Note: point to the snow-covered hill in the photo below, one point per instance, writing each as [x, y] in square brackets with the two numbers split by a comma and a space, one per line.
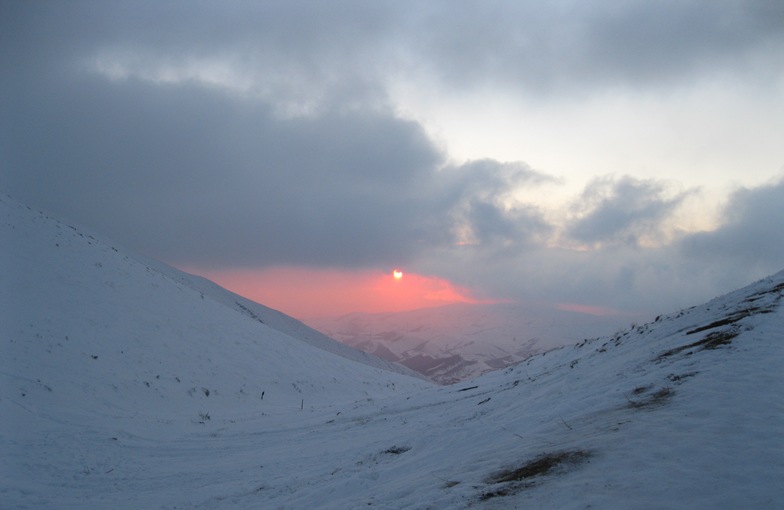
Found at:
[123, 388]
[464, 340]
[86, 326]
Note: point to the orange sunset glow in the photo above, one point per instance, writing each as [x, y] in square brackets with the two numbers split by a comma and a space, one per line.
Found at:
[309, 293]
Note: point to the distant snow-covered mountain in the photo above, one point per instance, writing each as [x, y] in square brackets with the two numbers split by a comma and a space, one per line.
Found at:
[126, 385]
[456, 342]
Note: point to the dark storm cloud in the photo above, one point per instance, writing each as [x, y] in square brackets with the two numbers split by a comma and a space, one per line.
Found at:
[193, 177]
[621, 210]
[196, 177]
[193, 173]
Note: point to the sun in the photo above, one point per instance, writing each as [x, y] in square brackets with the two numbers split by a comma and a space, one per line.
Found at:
[397, 274]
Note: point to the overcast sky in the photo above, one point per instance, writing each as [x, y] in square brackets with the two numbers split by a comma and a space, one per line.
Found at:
[621, 154]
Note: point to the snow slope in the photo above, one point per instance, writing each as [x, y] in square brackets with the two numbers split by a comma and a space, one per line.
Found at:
[98, 364]
[464, 340]
[272, 318]
[88, 330]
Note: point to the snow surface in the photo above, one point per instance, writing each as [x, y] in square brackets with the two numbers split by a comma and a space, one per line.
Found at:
[126, 387]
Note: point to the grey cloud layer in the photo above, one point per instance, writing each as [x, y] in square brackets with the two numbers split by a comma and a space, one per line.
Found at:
[295, 154]
[748, 244]
[195, 178]
[528, 45]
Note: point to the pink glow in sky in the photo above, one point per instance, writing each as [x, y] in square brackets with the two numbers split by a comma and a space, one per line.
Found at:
[310, 293]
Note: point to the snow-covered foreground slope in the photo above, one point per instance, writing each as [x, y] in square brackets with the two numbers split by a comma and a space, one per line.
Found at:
[75, 305]
[684, 412]
[92, 334]
[464, 340]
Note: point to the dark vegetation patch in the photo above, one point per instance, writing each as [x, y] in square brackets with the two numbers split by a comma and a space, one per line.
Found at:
[731, 319]
[774, 292]
[712, 340]
[778, 289]
[247, 311]
[541, 465]
[656, 398]
[748, 311]
[397, 450]
[677, 378]
[718, 338]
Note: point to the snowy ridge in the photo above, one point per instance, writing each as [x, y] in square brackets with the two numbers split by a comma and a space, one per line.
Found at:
[683, 412]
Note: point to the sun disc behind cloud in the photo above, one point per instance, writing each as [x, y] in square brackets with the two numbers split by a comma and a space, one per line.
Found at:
[397, 274]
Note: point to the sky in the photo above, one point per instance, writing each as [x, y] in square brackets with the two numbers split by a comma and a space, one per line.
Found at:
[609, 155]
